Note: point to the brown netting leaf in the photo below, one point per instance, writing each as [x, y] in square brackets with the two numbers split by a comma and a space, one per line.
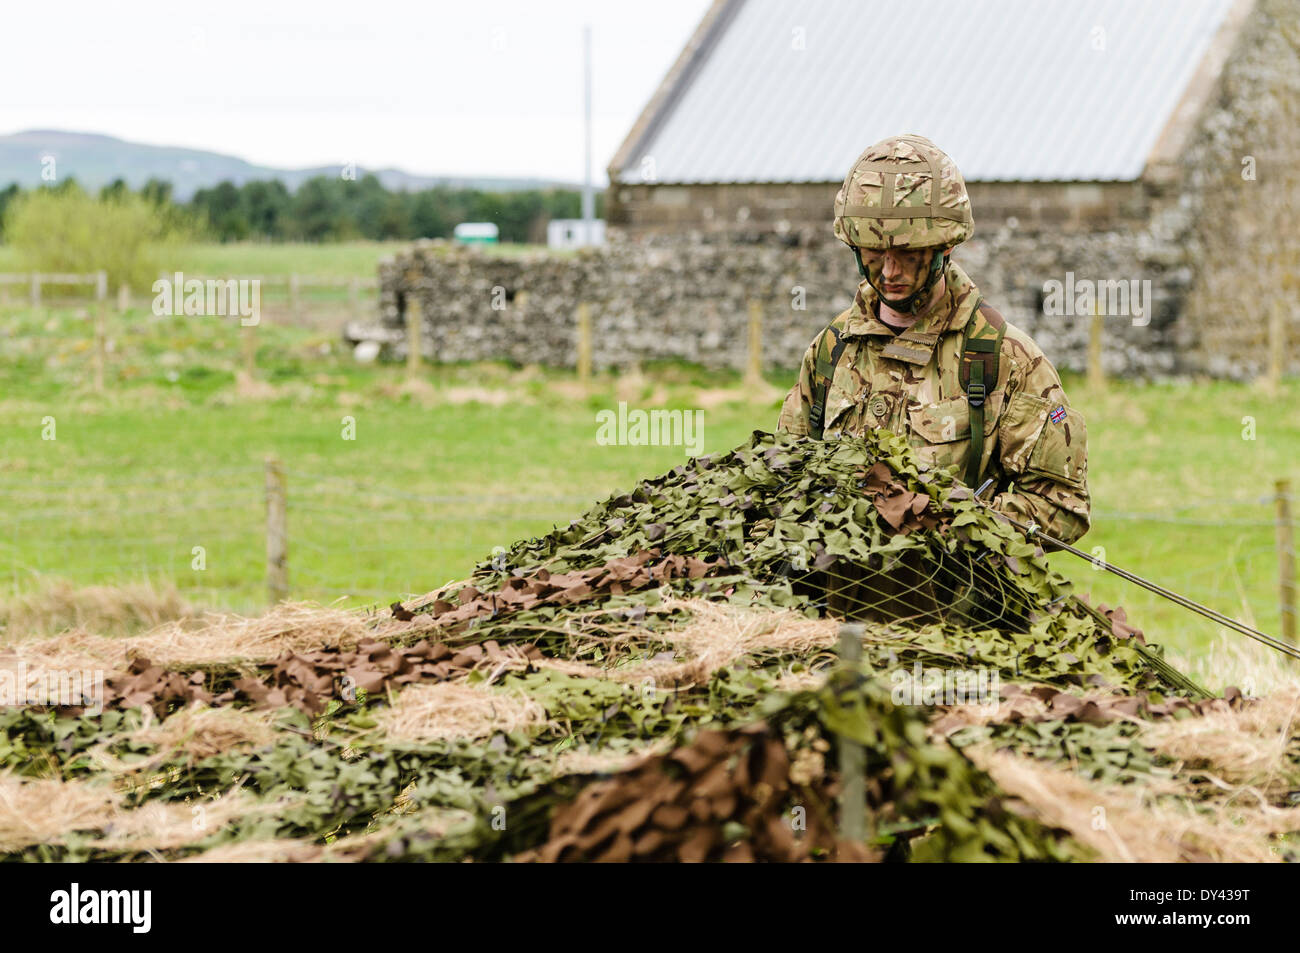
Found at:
[726, 796]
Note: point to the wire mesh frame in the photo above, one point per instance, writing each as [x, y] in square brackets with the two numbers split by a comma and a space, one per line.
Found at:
[917, 587]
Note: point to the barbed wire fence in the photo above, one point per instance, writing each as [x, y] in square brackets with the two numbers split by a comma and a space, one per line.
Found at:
[218, 538]
[206, 534]
[298, 298]
[1255, 573]
[209, 535]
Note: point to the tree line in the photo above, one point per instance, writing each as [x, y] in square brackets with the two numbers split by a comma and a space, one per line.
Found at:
[331, 208]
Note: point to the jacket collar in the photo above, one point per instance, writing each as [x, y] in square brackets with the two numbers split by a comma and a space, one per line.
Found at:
[950, 312]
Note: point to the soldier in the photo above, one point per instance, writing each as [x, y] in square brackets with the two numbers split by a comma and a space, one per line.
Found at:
[919, 353]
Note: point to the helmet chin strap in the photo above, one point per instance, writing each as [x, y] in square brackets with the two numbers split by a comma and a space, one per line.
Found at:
[919, 298]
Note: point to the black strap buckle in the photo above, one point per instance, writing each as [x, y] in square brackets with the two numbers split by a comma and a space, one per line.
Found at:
[975, 394]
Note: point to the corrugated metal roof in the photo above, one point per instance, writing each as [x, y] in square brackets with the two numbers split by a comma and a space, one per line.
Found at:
[1013, 90]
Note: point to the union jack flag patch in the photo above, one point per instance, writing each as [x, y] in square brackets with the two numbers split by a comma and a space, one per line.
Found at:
[1058, 415]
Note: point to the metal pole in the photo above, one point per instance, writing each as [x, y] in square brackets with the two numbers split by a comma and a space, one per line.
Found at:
[588, 194]
[1033, 531]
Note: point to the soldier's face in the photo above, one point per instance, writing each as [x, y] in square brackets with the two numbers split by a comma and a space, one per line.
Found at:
[899, 272]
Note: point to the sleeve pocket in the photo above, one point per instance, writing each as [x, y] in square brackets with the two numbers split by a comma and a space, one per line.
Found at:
[1061, 450]
[1019, 430]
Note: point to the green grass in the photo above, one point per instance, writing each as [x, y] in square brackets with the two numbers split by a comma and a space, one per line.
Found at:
[343, 259]
[338, 259]
[171, 458]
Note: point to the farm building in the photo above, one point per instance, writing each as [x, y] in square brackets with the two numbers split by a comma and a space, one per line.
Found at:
[1108, 139]
[574, 232]
[1132, 159]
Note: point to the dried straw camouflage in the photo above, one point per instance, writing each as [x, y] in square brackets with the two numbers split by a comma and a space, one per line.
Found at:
[903, 192]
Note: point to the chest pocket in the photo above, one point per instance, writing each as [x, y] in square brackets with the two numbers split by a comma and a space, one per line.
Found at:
[844, 398]
[941, 431]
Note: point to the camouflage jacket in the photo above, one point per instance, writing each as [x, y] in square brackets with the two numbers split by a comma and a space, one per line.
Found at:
[1035, 443]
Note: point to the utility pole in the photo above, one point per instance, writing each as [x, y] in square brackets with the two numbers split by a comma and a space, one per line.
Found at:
[588, 195]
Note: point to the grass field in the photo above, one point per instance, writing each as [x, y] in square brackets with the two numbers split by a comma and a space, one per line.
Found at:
[161, 478]
[343, 259]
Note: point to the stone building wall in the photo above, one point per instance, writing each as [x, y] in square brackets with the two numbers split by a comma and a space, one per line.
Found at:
[647, 302]
[730, 209]
[1239, 184]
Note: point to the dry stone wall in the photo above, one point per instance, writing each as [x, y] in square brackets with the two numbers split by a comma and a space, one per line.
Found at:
[647, 302]
[688, 299]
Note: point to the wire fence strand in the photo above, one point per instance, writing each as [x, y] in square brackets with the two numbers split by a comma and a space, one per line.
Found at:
[354, 537]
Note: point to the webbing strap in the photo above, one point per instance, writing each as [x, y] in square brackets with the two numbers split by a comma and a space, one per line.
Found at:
[823, 374]
[976, 425]
[858, 210]
[979, 375]
[928, 166]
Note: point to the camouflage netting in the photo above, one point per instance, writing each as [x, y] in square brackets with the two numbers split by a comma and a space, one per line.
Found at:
[658, 681]
[859, 529]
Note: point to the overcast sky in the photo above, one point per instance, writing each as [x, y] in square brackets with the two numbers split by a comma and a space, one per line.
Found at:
[484, 87]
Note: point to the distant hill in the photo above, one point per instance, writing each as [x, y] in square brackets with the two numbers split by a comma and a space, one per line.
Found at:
[96, 160]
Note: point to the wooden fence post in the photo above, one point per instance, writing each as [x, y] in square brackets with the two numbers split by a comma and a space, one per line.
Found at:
[293, 295]
[36, 289]
[1286, 561]
[584, 342]
[754, 366]
[277, 533]
[248, 345]
[123, 298]
[1096, 374]
[1276, 346]
[413, 337]
[101, 320]
[853, 757]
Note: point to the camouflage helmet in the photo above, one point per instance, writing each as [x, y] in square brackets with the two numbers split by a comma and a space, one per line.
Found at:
[903, 192]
